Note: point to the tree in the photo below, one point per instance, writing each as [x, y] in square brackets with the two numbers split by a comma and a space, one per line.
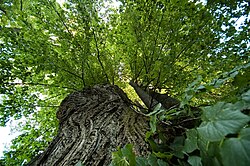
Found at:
[191, 51]
[93, 123]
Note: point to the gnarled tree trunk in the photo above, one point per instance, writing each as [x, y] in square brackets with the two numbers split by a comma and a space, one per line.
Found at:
[93, 123]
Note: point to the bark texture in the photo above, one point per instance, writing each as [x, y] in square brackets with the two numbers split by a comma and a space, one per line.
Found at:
[93, 122]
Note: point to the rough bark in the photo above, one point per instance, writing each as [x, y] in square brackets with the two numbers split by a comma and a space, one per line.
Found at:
[93, 123]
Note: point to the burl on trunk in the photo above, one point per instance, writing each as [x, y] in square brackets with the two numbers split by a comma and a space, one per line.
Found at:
[93, 123]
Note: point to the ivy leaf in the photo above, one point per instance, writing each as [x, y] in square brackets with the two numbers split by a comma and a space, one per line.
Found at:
[161, 163]
[201, 88]
[177, 146]
[141, 161]
[194, 160]
[156, 109]
[242, 79]
[153, 123]
[127, 151]
[246, 97]
[165, 155]
[220, 120]
[79, 163]
[124, 156]
[191, 141]
[152, 160]
[117, 158]
[191, 90]
[236, 151]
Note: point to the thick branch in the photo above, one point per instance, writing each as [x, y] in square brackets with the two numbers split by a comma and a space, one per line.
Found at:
[146, 98]
[152, 98]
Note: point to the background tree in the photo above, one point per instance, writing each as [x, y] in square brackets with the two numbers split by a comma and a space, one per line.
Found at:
[49, 50]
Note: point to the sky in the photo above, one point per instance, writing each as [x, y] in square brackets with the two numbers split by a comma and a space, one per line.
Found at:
[5, 131]
[5, 135]
[5, 138]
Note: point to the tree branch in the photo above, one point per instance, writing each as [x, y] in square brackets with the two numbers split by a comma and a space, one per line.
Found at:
[146, 98]
[60, 18]
[77, 76]
[21, 5]
[64, 24]
[156, 38]
[98, 57]
[189, 45]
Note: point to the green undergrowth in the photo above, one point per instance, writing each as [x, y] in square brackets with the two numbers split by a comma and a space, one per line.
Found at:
[222, 136]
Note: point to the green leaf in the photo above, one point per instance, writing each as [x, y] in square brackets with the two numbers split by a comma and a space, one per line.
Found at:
[118, 159]
[197, 81]
[79, 163]
[201, 88]
[152, 160]
[127, 151]
[177, 146]
[236, 151]
[161, 163]
[165, 155]
[191, 141]
[156, 109]
[149, 134]
[246, 97]
[233, 74]
[220, 120]
[194, 160]
[141, 161]
[153, 123]
[124, 156]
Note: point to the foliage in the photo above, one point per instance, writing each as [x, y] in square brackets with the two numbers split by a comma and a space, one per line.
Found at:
[37, 132]
[48, 50]
[238, 77]
[126, 157]
[220, 139]
[223, 134]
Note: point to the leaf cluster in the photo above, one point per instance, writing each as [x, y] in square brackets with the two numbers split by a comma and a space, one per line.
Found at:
[221, 137]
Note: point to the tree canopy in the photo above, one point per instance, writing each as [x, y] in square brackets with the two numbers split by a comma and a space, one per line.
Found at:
[197, 52]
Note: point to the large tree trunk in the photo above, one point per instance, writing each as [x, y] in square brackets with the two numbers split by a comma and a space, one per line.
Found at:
[93, 123]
